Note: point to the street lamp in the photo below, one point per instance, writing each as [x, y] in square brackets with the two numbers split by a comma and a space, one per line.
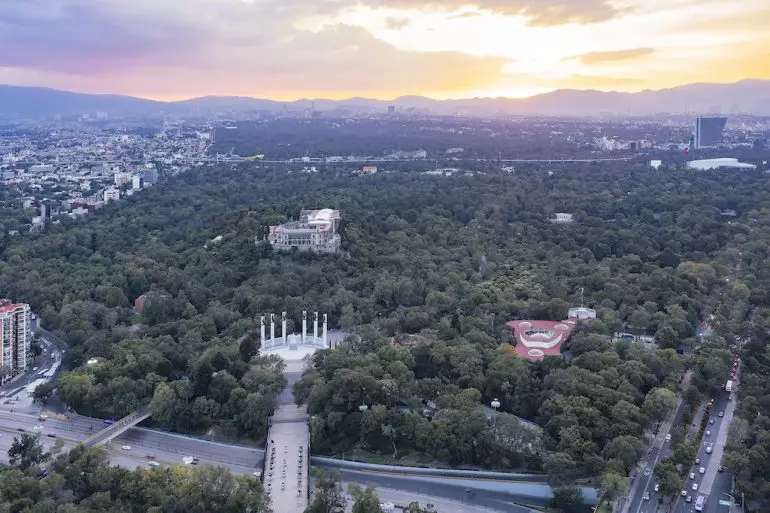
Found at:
[495, 404]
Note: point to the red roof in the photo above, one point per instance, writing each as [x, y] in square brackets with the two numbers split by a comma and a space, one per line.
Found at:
[6, 306]
[537, 339]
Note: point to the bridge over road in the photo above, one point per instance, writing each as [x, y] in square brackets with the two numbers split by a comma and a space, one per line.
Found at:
[119, 427]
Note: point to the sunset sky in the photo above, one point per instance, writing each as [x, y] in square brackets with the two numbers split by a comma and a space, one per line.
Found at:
[288, 49]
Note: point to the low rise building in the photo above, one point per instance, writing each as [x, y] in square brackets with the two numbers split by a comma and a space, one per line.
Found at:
[561, 217]
[720, 163]
[316, 231]
[111, 194]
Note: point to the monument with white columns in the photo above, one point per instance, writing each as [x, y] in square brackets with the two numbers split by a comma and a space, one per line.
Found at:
[296, 346]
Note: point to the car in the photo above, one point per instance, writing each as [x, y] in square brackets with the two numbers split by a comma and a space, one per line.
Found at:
[51, 435]
[708, 432]
[153, 464]
[20, 429]
[697, 461]
[689, 498]
[257, 474]
[720, 468]
[668, 437]
[126, 447]
[711, 421]
[721, 414]
[283, 486]
[695, 487]
[709, 449]
[684, 493]
[646, 496]
[150, 456]
[657, 487]
[702, 470]
[647, 472]
[692, 475]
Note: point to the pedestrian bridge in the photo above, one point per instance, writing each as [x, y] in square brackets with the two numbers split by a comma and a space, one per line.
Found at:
[118, 427]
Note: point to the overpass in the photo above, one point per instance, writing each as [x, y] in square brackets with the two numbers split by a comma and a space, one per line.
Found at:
[118, 428]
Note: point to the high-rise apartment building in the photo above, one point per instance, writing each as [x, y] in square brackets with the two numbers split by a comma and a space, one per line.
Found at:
[708, 131]
[15, 335]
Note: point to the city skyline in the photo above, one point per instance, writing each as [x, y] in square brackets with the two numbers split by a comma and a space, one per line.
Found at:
[383, 49]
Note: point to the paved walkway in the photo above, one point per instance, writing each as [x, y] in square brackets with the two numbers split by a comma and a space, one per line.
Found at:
[287, 453]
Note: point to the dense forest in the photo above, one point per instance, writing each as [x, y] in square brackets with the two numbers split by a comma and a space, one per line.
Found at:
[431, 270]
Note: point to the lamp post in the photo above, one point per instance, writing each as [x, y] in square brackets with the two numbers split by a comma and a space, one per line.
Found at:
[495, 404]
[363, 406]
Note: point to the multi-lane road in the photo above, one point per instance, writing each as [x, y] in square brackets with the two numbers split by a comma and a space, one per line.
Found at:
[711, 483]
[645, 483]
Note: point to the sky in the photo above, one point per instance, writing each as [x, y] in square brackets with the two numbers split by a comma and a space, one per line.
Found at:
[290, 49]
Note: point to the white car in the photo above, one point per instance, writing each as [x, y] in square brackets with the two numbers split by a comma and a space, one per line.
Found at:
[668, 437]
[684, 493]
[692, 475]
[646, 496]
[695, 487]
[657, 487]
[154, 464]
[702, 470]
[709, 449]
[708, 433]
[126, 447]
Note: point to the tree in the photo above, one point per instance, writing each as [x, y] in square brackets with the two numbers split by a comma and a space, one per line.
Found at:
[42, 393]
[668, 478]
[612, 486]
[27, 451]
[568, 499]
[366, 500]
[36, 348]
[658, 404]
[329, 496]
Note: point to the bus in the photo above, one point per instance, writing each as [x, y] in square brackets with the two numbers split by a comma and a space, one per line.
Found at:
[700, 501]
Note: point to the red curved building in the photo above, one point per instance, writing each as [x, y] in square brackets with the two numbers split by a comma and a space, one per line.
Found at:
[537, 339]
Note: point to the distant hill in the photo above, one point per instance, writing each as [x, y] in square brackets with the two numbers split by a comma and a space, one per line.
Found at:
[748, 96]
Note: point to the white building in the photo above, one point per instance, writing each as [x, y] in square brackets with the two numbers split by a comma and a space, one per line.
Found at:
[582, 313]
[136, 182]
[720, 163]
[41, 168]
[316, 230]
[15, 335]
[123, 179]
[561, 217]
[111, 193]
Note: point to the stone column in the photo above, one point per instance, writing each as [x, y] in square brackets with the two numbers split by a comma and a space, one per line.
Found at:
[262, 329]
[304, 325]
[272, 326]
[324, 331]
[283, 327]
[315, 328]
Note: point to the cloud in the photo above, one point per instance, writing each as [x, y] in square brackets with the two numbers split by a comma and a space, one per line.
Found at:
[593, 58]
[194, 47]
[397, 23]
[540, 12]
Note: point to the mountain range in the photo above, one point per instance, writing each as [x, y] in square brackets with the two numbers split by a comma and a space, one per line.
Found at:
[745, 97]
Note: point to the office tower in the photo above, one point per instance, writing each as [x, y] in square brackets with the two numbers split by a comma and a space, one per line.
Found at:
[708, 131]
